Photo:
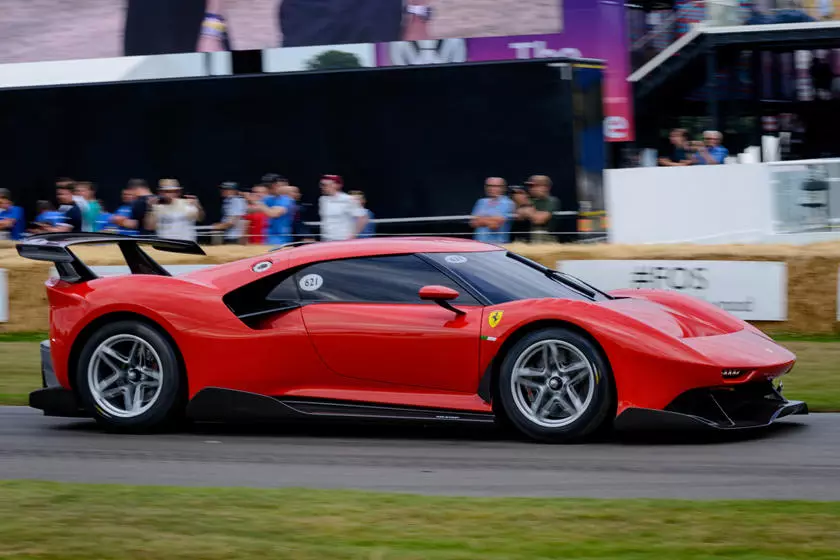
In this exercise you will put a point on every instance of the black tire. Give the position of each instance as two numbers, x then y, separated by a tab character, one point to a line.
169	404
595	415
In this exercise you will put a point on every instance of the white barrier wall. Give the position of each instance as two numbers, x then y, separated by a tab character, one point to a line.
701	204
753	291
4	296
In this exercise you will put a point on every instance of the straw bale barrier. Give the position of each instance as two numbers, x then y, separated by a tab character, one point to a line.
812	274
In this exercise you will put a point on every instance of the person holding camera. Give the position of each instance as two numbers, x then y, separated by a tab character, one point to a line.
172	215
234	209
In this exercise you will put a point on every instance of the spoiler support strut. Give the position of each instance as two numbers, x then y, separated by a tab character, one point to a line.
55	248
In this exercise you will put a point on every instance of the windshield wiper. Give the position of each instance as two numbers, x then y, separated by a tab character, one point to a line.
570	281
561	277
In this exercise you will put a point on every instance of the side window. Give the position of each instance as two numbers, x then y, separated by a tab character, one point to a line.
286	290
390	279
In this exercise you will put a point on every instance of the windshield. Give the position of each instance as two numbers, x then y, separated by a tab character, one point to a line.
503	276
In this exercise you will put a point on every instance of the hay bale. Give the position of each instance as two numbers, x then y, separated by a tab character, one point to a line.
812	274
28	306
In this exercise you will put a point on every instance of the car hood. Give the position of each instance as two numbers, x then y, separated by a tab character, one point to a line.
676	321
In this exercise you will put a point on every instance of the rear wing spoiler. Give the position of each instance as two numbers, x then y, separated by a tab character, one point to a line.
55	248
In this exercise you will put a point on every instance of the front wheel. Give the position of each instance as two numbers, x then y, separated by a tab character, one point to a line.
555	386
129	378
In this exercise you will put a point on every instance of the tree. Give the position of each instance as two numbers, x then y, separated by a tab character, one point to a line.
333	60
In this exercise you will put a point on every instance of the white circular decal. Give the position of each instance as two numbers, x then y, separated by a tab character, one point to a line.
261	266
311	282
455	259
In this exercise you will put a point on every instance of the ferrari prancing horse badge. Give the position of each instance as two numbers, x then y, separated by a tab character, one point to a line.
494	318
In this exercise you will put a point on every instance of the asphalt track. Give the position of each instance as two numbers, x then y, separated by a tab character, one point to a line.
799	458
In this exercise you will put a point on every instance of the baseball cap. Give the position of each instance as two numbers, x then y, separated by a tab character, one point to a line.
517	188
336	178
229	185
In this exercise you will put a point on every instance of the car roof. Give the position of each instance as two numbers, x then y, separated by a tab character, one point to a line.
227	276
385	246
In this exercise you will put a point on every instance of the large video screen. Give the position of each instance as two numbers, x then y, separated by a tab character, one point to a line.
394	32
38	30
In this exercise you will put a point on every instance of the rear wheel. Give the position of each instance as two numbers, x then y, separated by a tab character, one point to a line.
129	378
555	386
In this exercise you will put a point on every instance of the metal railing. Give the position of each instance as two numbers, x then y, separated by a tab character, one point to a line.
708	13
426	226
439	226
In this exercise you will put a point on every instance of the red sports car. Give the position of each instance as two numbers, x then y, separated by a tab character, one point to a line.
392	329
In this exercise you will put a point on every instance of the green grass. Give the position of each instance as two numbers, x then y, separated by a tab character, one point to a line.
20	372
36	336
815	379
58	521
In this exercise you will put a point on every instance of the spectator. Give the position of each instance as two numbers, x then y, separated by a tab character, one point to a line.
491	215
299	228
524	208
88	205
140	206
123	212
48	218
711	153
64	182
693	149
257	220
234	209
72	215
103	222
545	205
280	210
12	222
370	227
676	155
173	216
341	216
275	182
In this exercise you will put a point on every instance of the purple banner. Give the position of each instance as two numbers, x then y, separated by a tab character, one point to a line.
592	30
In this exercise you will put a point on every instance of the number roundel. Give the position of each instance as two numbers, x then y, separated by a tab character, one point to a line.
311	282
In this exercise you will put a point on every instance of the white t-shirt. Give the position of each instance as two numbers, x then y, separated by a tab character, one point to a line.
339	214
176	220
234	207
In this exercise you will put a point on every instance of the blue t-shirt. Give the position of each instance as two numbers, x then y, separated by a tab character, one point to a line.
15	213
489	207
370	227
718	153
103	222
280	228
125	212
50	217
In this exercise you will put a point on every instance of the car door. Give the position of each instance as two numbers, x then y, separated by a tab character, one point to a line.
367	322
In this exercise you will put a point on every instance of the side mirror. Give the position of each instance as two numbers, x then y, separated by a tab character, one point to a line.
438	293
441	295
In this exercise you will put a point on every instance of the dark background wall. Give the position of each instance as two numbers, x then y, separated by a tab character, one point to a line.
418	141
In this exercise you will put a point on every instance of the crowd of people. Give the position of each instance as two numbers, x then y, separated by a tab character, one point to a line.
682	151
269	213
527	215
